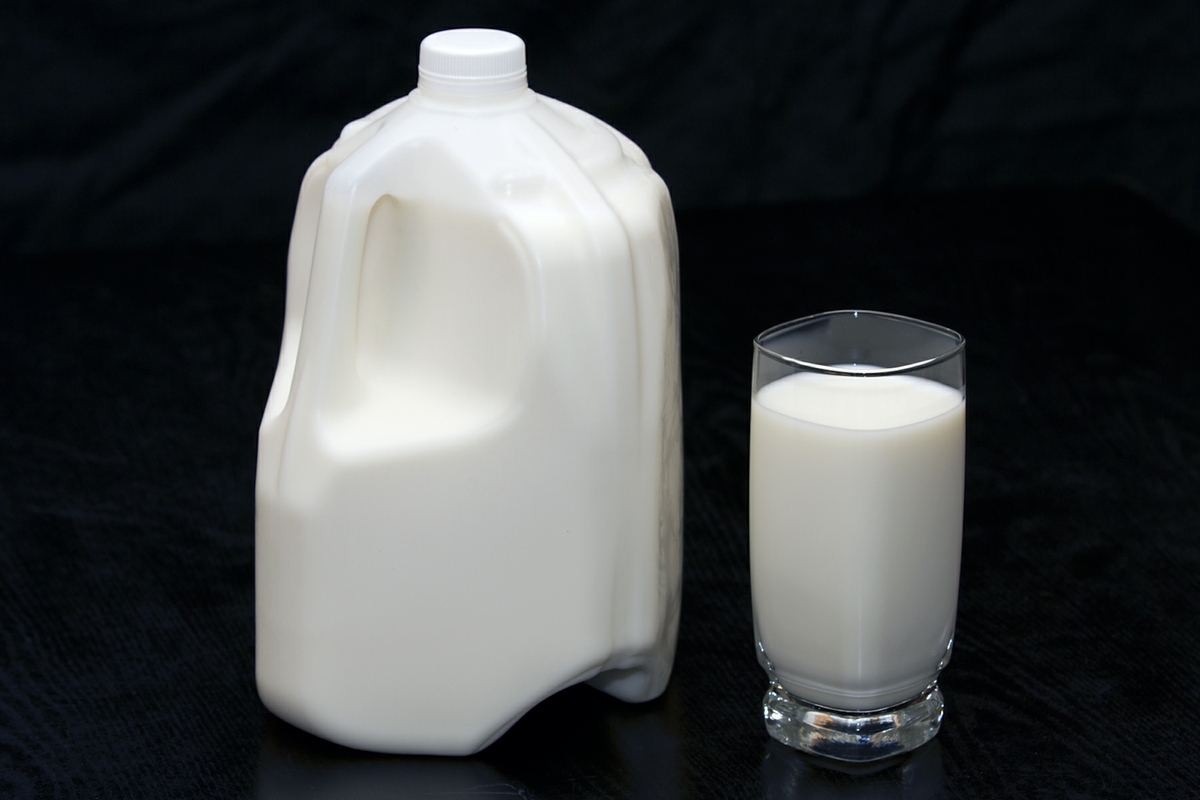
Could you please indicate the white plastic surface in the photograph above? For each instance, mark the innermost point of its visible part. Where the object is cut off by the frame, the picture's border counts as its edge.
(469, 480)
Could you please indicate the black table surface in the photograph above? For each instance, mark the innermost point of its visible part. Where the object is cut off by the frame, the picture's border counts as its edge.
(131, 386)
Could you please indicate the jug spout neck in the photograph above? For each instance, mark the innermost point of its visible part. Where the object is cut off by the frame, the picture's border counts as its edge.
(473, 91)
(436, 98)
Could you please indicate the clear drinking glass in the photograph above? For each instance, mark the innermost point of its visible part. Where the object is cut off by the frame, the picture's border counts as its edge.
(857, 440)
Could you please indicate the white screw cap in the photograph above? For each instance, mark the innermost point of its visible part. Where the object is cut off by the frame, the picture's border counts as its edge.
(472, 61)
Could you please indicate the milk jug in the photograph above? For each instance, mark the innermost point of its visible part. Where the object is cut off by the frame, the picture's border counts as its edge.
(469, 470)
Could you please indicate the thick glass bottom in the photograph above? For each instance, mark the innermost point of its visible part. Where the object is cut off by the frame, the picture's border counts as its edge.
(852, 735)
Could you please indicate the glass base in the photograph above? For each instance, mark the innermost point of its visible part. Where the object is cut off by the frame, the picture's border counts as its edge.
(853, 735)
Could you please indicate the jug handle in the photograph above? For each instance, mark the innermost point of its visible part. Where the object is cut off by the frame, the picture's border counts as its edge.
(326, 378)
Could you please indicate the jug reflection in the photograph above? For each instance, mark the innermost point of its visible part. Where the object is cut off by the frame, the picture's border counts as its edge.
(647, 744)
(787, 773)
(295, 765)
(612, 749)
(371, 778)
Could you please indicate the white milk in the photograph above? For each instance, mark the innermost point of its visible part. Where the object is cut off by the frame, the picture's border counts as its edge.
(469, 480)
(856, 498)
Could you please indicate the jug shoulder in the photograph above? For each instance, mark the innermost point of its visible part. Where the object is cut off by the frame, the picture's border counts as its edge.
(517, 150)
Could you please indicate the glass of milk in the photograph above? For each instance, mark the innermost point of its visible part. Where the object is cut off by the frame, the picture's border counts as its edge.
(857, 438)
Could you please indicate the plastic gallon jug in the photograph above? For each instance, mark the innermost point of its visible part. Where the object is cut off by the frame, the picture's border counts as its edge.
(469, 470)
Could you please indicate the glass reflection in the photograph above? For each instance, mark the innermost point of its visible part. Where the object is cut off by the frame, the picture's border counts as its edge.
(787, 774)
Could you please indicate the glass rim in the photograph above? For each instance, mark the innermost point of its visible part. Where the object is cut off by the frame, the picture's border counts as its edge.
(959, 344)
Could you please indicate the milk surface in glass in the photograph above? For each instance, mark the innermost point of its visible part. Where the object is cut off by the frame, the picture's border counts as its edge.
(856, 491)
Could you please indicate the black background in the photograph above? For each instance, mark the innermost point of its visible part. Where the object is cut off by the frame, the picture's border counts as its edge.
(149, 122)
(135, 383)
(821, 157)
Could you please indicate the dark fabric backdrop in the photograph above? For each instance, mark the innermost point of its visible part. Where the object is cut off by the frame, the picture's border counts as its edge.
(151, 122)
(142, 144)
(131, 388)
